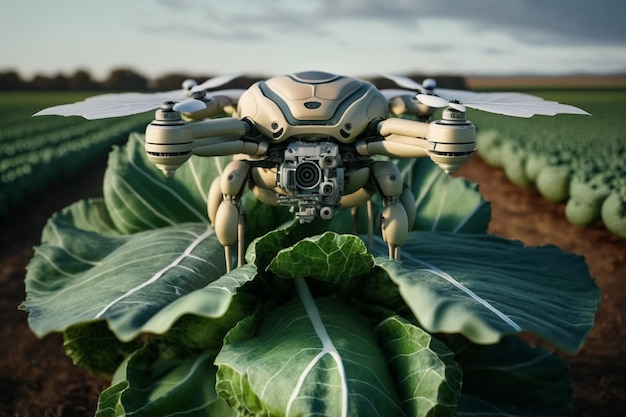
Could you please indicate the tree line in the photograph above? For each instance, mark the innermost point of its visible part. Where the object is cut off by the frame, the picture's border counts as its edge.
(127, 79)
(120, 79)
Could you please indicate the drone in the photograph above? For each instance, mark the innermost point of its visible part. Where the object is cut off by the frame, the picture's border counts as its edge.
(312, 141)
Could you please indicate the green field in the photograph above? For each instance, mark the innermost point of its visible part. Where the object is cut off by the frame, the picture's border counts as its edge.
(579, 160)
(35, 152)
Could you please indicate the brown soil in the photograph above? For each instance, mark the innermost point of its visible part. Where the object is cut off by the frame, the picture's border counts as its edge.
(37, 379)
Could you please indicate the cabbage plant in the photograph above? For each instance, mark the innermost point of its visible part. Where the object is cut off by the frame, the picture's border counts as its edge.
(315, 322)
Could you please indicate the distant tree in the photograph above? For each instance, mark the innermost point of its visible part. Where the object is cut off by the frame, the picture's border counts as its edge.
(171, 81)
(58, 82)
(81, 81)
(451, 81)
(11, 81)
(125, 79)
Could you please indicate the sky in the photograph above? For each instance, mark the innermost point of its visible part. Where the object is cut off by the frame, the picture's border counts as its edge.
(350, 37)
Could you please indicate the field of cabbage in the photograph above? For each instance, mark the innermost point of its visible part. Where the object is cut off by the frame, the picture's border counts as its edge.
(35, 152)
(576, 160)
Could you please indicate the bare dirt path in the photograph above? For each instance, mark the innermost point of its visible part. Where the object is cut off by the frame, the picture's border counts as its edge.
(37, 379)
(599, 370)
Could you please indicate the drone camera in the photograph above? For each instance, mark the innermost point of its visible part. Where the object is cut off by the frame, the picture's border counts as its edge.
(312, 179)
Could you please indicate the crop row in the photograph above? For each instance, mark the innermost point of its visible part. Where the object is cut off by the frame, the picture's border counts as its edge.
(577, 160)
(35, 152)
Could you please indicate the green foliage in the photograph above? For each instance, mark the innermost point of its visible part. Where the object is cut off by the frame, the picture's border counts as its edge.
(512, 378)
(553, 182)
(614, 213)
(93, 346)
(567, 157)
(316, 322)
(410, 350)
(324, 258)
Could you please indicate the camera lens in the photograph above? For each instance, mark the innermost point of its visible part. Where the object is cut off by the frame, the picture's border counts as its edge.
(308, 175)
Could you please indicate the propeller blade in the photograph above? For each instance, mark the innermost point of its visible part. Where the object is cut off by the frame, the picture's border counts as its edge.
(406, 82)
(189, 106)
(457, 106)
(214, 82)
(509, 103)
(125, 104)
(432, 101)
(114, 105)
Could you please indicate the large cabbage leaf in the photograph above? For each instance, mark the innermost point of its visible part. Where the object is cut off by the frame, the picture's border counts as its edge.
(140, 283)
(427, 378)
(444, 203)
(327, 257)
(139, 197)
(311, 357)
(512, 378)
(485, 287)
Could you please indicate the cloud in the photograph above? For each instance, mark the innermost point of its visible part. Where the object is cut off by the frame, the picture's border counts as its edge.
(553, 22)
(480, 32)
(432, 47)
(197, 31)
(251, 21)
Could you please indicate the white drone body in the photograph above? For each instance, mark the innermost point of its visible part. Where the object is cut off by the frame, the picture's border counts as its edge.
(309, 140)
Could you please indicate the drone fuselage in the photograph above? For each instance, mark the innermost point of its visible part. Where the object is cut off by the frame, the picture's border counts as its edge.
(310, 140)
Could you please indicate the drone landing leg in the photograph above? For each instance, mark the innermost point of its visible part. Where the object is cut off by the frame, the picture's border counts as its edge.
(228, 257)
(229, 220)
(354, 212)
(395, 220)
(240, 239)
(394, 251)
(370, 224)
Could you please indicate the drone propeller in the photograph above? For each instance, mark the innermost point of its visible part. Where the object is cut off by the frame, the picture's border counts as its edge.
(406, 82)
(125, 104)
(509, 104)
(215, 82)
(189, 105)
(435, 101)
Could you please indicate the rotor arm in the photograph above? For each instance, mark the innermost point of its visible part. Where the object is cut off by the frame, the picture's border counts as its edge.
(404, 127)
(227, 126)
(228, 145)
(394, 146)
(170, 141)
(397, 138)
(449, 142)
(226, 136)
